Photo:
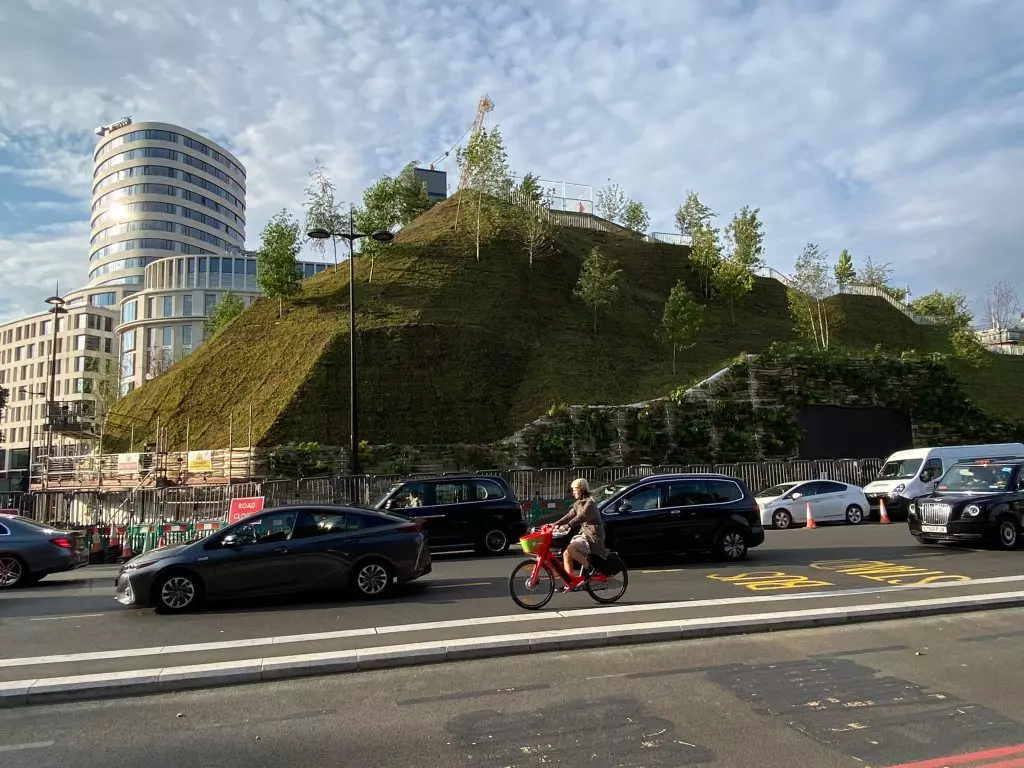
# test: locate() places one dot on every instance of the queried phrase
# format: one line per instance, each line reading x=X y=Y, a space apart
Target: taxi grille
x=935 y=514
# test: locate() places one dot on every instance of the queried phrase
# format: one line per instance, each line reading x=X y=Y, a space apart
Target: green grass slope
x=451 y=349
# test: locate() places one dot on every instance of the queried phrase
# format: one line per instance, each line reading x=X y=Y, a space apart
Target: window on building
x=128 y=341
x=186 y=305
x=191 y=282
x=214 y=272
x=83 y=386
x=149 y=308
x=209 y=300
x=186 y=337
x=129 y=312
x=168 y=306
x=108 y=345
x=168 y=332
x=128 y=364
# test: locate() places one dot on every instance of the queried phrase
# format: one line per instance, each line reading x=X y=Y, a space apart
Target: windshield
x=380 y=499
x=902 y=469
x=604 y=492
x=776 y=490
x=977 y=478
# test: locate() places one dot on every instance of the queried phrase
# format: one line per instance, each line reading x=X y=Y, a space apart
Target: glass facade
x=167 y=190
x=139 y=171
x=149 y=134
x=155 y=206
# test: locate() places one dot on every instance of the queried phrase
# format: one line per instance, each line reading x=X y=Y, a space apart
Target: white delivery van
x=910 y=473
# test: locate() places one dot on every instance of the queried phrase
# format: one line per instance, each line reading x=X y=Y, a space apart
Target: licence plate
x=933 y=529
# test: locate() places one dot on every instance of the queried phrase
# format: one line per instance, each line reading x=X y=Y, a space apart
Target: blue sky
x=892 y=128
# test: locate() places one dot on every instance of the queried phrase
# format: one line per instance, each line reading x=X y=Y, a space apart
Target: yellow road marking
x=886 y=572
x=767 y=581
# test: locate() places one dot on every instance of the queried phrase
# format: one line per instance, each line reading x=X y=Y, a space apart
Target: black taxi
x=979 y=502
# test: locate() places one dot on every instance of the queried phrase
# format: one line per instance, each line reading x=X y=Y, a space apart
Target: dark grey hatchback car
x=280 y=551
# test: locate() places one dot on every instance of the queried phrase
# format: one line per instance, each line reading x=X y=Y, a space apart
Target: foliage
x=1002 y=306
x=681 y=320
x=529 y=190
x=323 y=209
x=815 y=318
x=878 y=275
x=534 y=223
x=705 y=255
x=635 y=217
x=745 y=235
x=611 y=202
x=298 y=461
x=949 y=308
x=599 y=284
x=967 y=347
x=486 y=160
x=693 y=215
x=277 y=271
x=107 y=389
x=229 y=306
x=731 y=281
x=389 y=203
x=595 y=428
x=844 y=271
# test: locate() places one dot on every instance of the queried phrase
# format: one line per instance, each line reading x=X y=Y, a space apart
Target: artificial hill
x=456 y=350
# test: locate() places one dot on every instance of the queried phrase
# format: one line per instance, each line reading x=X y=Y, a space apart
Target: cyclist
x=590 y=539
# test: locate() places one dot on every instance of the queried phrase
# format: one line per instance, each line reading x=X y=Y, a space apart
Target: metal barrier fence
x=192 y=504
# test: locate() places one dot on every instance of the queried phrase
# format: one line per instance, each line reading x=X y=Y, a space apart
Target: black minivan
x=670 y=514
x=470 y=511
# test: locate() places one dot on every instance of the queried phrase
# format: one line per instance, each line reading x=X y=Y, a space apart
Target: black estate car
x=668 y=514
x=477 y=511
x=319 y=547
x=978 y=501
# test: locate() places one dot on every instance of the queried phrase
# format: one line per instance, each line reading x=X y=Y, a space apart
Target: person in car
x=590 y=539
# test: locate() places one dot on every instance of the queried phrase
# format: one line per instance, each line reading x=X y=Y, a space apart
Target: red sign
x=242 y=508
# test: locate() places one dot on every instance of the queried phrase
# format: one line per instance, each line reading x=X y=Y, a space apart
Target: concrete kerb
x=76 y=688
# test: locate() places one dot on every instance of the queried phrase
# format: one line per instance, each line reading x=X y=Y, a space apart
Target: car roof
x=449 y=478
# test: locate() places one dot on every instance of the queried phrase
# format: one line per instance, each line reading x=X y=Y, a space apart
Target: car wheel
x=177 y=592
x=495 y=542
x=12 y=571
x=854 y=515
x=372 y=579
x=781 y=519
x=1008 y=534
x=732 y=545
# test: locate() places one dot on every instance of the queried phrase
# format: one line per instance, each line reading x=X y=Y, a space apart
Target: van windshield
x=979 y=478
x=901 y=469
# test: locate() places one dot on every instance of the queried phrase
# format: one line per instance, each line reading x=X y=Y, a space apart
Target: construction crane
x=485 y=105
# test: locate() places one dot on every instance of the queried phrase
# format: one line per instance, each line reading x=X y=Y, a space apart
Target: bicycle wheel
x=609 y=589
x=537 y=595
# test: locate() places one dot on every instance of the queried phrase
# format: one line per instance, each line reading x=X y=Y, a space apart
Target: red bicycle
x=606 y=580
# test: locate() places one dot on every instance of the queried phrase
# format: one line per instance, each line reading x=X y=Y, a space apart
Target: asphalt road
x=77 y=612
x=916 y=694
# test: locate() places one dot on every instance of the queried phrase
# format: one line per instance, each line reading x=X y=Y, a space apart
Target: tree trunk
x=479 y=205
x=595 y=320
x=370 y=281
x=673 y=359
x=280 y=307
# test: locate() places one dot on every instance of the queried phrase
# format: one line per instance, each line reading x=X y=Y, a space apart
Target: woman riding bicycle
x=590 y=539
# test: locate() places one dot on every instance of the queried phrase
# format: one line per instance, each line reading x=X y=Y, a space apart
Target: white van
x=910 y=473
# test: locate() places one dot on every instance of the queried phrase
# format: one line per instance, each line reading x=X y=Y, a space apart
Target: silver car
x=30 y=550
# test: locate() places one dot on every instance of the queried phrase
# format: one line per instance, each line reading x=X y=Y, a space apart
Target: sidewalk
x=31 y=680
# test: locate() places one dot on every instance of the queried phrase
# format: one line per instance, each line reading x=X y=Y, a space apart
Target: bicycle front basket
x=536 y=543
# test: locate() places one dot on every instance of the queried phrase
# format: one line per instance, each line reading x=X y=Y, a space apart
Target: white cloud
x=856 y=123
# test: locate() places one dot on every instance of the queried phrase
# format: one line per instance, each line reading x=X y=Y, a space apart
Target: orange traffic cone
x=883 y=514
x=161 y=543
x=97 y=542
x=126 y=550
x=810 y=517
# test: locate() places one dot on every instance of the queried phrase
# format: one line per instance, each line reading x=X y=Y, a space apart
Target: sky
x=891 y=128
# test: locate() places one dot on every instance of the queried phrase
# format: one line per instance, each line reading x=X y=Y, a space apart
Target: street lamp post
x=381 y=236
x=56 y=309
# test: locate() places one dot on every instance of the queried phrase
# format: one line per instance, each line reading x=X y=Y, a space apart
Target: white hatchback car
x=784 y=505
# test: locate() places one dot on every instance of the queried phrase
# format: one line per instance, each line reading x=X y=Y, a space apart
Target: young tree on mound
x=388 y=203
x=844 y=271
x=745 y=236
x=323 y=209
x=532 y=216
x=692 y=215
x=1002 y=305
x=486 y=160
x=228 y=307
x=952 y=311
x=732 y=280
x=878 y=275
x=635 y=217
x=277 y=271
x=611 y=202
x=815 y=318
x=705 y=254
x=681 y=321
x=599 y=284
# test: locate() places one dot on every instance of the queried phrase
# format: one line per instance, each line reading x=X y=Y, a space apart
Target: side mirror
x=388 y=503
x=624 y=507
x=935 y=485
x=230 y=541
x=795 y=495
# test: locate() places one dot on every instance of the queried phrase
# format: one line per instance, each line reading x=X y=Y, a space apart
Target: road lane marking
x=71 y=616
x=768 y=581
x=456 y=586
x=888 y=573
x=971 y=757
x=482 y=621
x=30 y=745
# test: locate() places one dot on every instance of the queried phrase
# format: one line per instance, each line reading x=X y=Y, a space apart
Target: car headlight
x=912 y=509
x=972 y=510
x=899 y=488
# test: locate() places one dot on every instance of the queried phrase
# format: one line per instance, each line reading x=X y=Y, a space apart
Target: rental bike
x=532 y=583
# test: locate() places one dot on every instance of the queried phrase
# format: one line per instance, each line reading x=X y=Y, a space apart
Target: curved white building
x=161 y=190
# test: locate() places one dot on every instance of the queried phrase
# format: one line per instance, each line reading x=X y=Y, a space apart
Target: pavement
x=920 y=693
x=66 y=637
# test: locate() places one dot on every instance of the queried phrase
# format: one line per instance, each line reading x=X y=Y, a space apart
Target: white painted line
x=80 y=687
x=456 y=586
x=484 y=620
x=30 y=745
x=72 y=616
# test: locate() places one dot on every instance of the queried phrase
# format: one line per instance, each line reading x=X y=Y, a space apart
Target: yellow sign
x=767 y=581
x=200 y=461
x=887 y=573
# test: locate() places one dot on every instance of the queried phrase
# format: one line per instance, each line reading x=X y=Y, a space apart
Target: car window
x=409 y=495
x=648 y=497
x=485 y=490
x=723 y=491
x=932 y=470
x=265 y=529
x=827 y=487
x=4 y=530
x=686 y=493
x=329 y=522
x=453 y=492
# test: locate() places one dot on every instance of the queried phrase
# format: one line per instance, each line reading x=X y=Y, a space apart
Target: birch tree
x=599 y=284
x=815 y=318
